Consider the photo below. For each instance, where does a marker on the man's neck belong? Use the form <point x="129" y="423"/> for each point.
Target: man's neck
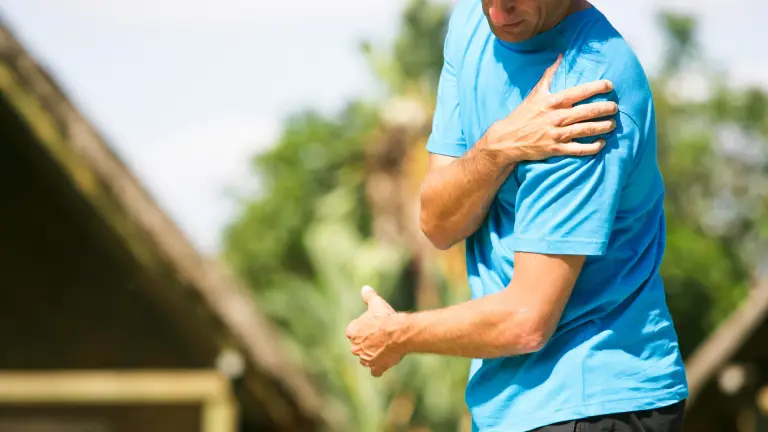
<point x="578" y="5"/>
<point x="573" y="7"/>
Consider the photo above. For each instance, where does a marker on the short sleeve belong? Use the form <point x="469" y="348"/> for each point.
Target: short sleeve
<point x="447" y="137"/>
<point x="567" y="205"/>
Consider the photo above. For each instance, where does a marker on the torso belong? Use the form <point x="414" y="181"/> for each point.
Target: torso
<point x="616" y="293"/>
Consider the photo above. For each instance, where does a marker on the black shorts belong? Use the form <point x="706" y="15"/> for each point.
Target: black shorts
<point x="667" y="419"/>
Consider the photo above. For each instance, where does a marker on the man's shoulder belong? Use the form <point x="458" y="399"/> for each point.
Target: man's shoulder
<point x="464" y="23"/>
<point x="466" y="13"/>
<point x="598" y="51"/>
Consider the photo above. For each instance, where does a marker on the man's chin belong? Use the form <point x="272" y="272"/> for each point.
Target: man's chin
<point x="512" y="36"/>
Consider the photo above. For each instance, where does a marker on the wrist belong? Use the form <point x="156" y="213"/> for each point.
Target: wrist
<point x="397" y="326"/>
<point x="489" y="148"/>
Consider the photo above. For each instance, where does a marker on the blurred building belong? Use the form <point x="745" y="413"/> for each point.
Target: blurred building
<point x="728" y="373"/>
<point x="110" y="321"/>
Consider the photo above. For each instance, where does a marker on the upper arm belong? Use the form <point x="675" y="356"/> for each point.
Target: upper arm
<point x="567" y="205"/>
<point x="437" y="161"/>
<point x="447" y="136"/>
<point x="540" y="289"/>
<point x="565" y="211"/>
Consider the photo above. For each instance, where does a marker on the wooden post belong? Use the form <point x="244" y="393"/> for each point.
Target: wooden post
<point x="208" y="388"/>
<point x="219" y="416"/>
<point x="762" y="400"/>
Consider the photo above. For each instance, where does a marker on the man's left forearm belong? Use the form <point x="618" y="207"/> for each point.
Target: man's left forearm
<point x="490" y="327"/>
<point x="518" y="320"/>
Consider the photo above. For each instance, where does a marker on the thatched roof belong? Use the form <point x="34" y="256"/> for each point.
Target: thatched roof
<point x="728" y="341"/>
<point x="200" y="295"/>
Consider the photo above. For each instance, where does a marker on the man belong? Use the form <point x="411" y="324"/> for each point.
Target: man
<point x="568" y="327"/>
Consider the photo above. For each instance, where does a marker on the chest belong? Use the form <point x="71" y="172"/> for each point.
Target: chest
<point x="494" y="80"/>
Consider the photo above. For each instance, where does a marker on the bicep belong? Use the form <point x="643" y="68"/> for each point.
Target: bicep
<point x="435" y="165"/>
<point x="438" y="161"/>
<point x="568" y="205"/>
<point x="547" y="278"/>
<point x="447" y="136"/>
<point x="541" y="287"/>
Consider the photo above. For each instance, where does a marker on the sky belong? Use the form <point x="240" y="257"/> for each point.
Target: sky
<point x="187" y="91"/>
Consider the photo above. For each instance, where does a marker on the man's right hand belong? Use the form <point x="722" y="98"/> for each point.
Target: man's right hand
<point x="457" y="192"/>
<point x="547" y="124"/>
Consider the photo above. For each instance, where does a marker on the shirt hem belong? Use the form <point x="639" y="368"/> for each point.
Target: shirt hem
<point x="646" y="402"/>
<point x="560" y="246"/>
<point x="446" y="148"/>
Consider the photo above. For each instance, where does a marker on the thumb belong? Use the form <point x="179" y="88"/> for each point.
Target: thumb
<point x="374" y="300"/>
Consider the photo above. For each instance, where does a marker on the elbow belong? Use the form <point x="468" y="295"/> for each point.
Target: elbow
<point x="438" y="241"/>
<point x="432" y="225"/>
<point x="434" y="233"/>
<point x="533" y="342"/>
<point x="527" y="337"/>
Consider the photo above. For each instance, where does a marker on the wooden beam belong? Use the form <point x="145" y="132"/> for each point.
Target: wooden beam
<point x="207" y="388"/>
<point x="714" y="353"/>
<point x="112" y="387"/>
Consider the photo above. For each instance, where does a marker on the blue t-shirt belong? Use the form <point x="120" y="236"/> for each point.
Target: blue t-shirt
<point x="615" y="348"/>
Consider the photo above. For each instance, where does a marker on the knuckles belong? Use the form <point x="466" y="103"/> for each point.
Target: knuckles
<point x="351" y="330"/>
<point x="557" y="118"/>
<point x="555" y="134"/>
<point x="554" y="101"/>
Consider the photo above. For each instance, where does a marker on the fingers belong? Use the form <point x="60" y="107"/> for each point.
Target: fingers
<point x="377" y="370"/>
<point x="545" y="83"/>
<point x="572" y="96"/>
<point x="351" y="329"/>
<point x="587" y="129"/>
<point x="579" y="149"/>
<point x="582" y="113"/>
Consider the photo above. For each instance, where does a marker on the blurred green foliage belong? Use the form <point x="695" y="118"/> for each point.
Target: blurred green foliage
<point x="305" y="245"/>
<point x="712" y="151"/>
